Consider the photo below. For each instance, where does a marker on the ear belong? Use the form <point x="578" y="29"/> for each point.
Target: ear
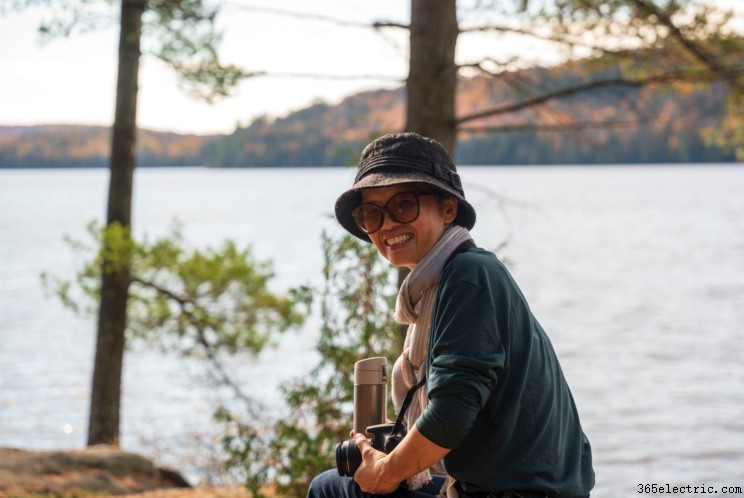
<point x="449" y="208"/>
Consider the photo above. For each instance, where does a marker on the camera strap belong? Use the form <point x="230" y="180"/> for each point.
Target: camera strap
<point x="404" y="406"/>
<point x="464" y="247"/>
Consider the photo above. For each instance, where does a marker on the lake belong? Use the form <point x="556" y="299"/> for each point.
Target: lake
<point x="636" y="273"/>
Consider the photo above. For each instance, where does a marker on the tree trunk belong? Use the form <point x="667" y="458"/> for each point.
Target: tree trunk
<point x="432" y="76"/>
<point x="105" y="403"/>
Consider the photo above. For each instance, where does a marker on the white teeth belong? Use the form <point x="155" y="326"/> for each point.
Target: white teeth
<point x="398" y="239"/>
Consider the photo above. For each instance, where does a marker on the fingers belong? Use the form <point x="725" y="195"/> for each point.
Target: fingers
<point x="369" y="453"/>
<point x="363" y="444"/>
<point x="352" y="434"/>
<point x="369" y="474"/>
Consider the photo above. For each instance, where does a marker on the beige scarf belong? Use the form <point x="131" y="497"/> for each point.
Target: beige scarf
<point x="415" y="306"/>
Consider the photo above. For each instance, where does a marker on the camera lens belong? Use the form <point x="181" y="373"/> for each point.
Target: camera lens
<point x="348" y="458"/>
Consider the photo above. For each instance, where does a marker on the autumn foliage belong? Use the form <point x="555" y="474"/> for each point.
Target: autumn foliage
<point x="611" y="123"/>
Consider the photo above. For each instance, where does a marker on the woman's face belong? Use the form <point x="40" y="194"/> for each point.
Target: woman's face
<point x="405" y="244"/>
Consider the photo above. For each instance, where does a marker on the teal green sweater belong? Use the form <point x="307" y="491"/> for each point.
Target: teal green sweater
<point x="497" y="395"/>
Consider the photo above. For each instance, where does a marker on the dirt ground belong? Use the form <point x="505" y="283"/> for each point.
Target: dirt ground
<point x="232" y="492"/>
<point x="236" y="492"/>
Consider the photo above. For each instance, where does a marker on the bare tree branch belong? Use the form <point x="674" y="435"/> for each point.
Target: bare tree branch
<point x="315" y="17"/>
<point x="480" y="66"/>
<point x="564" y="39"/>
<point x="331" y="76"/>
<point x="389" y="24"/>
<point x="377" y="25"/>
<point x="690" y="75"/>
<point x="562" y="127"/>
<point x="298" y="15"/>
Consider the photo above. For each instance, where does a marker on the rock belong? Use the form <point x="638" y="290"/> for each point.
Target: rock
<point x="104" y="470"/>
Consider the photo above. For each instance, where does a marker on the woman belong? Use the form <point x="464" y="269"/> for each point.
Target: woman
<point x="495" y="414"/>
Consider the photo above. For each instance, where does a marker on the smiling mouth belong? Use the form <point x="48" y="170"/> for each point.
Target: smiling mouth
<point x="398" y="240"/>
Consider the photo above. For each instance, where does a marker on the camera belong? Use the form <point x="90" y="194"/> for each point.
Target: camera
<point x="348" y="456"/>
<point x="370" y="398"/>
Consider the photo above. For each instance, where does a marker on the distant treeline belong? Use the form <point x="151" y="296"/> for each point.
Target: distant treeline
<point x="74" y="146"/>
<point x="611" y="125"/>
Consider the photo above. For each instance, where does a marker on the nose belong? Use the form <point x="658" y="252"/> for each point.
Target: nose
<point x="387" y="221"/>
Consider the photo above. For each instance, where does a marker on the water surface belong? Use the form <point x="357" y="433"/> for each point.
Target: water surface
<point x="636" y="273"/>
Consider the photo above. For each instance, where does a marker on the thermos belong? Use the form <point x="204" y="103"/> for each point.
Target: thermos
<point x="370" y="393"/>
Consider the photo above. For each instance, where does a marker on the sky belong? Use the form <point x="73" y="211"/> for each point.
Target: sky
<point x="72" y="80"/>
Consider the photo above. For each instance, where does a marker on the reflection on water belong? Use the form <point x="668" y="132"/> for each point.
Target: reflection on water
<point x="637" y="274"/>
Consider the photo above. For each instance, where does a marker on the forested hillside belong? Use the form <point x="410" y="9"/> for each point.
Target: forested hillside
<point x="615" y="124"/>
<point x="622" y="124"/>
<point x="75" y="146"/>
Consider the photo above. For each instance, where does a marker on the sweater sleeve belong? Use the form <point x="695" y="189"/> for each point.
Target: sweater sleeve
<point x="466" y="354"/>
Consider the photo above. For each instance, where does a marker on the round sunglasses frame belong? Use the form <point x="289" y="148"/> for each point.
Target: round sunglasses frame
<point x="384" y="209"/>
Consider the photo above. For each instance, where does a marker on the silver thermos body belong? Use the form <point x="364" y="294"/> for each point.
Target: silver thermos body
<point x="370" y="393"/>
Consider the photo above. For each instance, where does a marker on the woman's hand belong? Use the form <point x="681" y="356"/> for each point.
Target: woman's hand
<point x="371" y="475"/>
<point x="382" y="474"/>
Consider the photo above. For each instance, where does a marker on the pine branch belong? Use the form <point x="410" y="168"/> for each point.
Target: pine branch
<point x="709" y="60"/>
<point x="187" y="307"/>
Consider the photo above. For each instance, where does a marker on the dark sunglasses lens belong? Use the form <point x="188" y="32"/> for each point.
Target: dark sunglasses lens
<point x="403" y="208"/>
<point x="368" y="217"/>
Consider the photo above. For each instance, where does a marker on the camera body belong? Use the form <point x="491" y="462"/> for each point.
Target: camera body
<point x="348" y="455"/>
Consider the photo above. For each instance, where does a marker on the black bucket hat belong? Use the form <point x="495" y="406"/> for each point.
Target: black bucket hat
<point x="398" y="159"/>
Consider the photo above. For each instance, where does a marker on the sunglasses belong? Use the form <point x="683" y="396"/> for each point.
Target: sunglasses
<point x="402" y="208"/>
